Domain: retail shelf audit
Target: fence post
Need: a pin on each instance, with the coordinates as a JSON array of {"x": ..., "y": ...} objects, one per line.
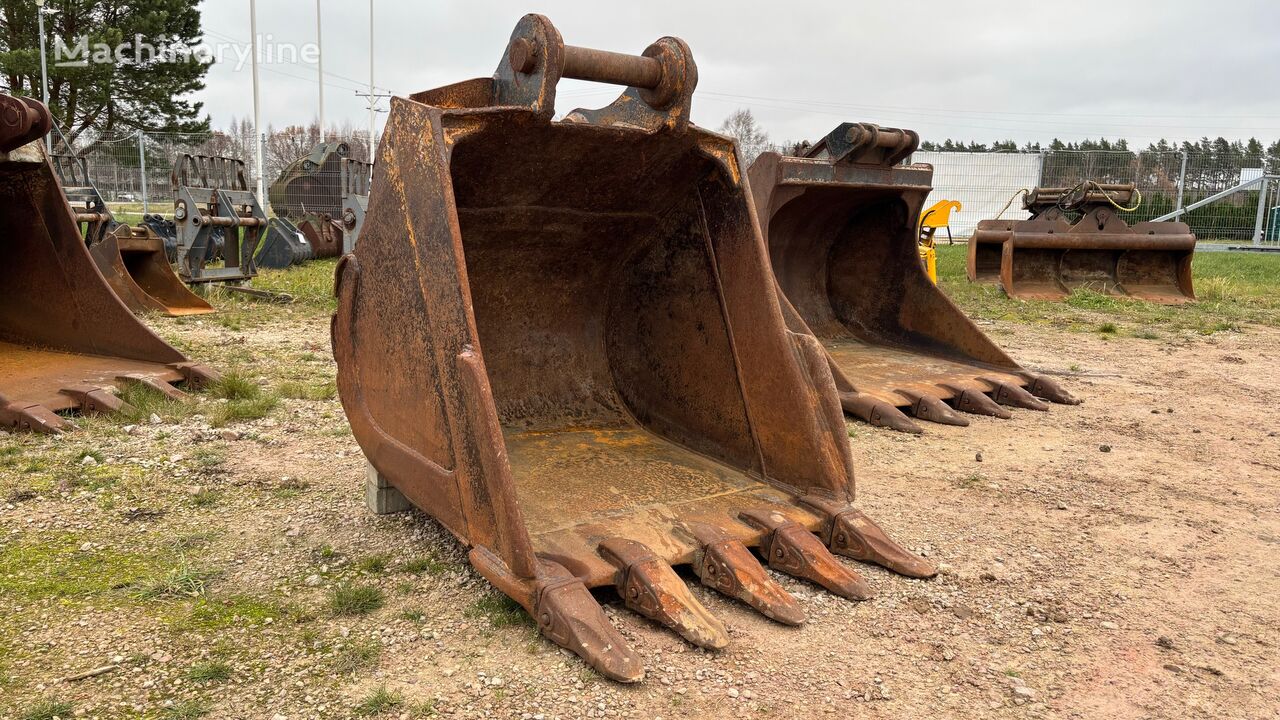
[
  {"x": 142, "y": 164},
  {"x": 1182, "y": 181},
  {"x": 1262, "y": 205}
]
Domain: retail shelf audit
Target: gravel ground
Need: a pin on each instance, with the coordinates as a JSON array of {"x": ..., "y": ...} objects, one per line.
[{"x": 1112, "y": 560}]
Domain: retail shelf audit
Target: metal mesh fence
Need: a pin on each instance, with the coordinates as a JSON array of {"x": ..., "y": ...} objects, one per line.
[
  {"x": 988, "y": 185},
  {"x": 133, "y": 174}
]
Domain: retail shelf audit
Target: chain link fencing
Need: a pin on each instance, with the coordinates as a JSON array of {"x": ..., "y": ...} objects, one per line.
[
  {"x": 989, "y": 185},
  {"x": 133, "y": 173}
]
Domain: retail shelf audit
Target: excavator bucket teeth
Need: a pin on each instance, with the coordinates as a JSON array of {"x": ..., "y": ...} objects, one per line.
[
  {"x": 132, "y": 260},
  {"x": 61, "y": 325},
  {"x": 90, "y": 399},
  {"x": 651, "y": 588},
  {"x": 841, "y": 227},
  {"x": 976, "y": 402},
  {"x": 849, "y": 532},
  {"x": 562, "y": 340},
  {"x": 790, "y": 548},
  {"x": 1077, "y": 238},
  {"x": 727, "y": 566}
]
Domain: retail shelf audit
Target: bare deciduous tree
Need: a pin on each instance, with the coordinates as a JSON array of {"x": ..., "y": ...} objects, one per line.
[{"x": 752, "y": 139}]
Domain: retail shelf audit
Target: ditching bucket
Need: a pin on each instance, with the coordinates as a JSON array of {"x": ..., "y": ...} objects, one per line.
[
  {"x": 65, "y": 337},
  {"x": 134, "y": 264},
  {"x": 840, "y": 224},
  {"x": 562, "y": 340},
  {"x": 284, "y": 246},
  {"x": 1047, "y": 256}
]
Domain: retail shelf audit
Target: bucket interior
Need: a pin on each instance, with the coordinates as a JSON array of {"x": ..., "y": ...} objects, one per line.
[
  {"x": 847, "y": 261},
  {"x": 603, "y": 329}
]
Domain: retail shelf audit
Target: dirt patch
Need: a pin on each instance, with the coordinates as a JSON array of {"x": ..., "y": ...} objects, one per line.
[{"x": 1112, "y": 560}]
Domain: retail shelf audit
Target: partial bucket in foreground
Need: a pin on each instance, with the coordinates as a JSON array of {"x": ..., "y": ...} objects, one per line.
[
  {"x": 1050, "y": 254},
  {"x": 579, "y": 365},
  {"x": 841, "y": 227},
  {"x": 65, "y": 338}
]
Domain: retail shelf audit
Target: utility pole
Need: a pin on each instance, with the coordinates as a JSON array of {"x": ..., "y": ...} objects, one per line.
[
  {"x": 320, "y": 66},
  {"x": 373, "y": 98},
  {"x": 257, "y": 105},
  {"x": 44, "y": 69}
]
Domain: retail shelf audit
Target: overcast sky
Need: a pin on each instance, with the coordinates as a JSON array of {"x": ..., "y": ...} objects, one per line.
[{"x": 1178, "y": 69}]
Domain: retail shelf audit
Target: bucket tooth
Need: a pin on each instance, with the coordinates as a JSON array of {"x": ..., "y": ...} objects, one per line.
[
  {"x": 1049, "y": 389},
  {"x": 195, "y": 375},
  {"x": 650, "y": 587},
  {"x": 877, "y": 412},
  {"x": 790, "y": 548},
  {"x": 1006, "y": 393},
  {"x": 849, "y": 532},
  {"x": 565, "y": 612},
  {"x": 976, "y": 402},
  {"x": 726, "y": 565},
  {"x": 931, "y": 408},
  {"x": 160, "y": 386},
  {"x": 90, "y": 399},
  {"x": 31, "y": 418}
]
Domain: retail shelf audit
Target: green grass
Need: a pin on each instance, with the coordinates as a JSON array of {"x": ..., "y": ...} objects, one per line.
[
  {"x": 1234, "y": 290},
  {"x": 147, "y": 401},
  {"x": 356, "y": 655},
  {"x": 241, "y": 410},
  {"x": 424, "y": 564},
  {"x": 379, "y": 702},
  {"x": 234, "y": 386},
  {"x": 48, "y": 709},
  {"x": 208, "y": 614},
  {"x": 374, "y": 564},
  {"x": 211, "y": 671},
  {"x": 183, "y": 581},
  {"x": 54, "y": 566},
  {"x": 295, "y": 390},
  {"x": 351, "y": 600},
  {"x": 500, "y": 610}
]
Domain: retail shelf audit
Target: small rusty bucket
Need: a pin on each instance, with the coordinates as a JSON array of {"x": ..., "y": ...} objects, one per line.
[
  {"x": 1049, "y": 255},
  {"x": 562, "y": 341},
  {"x": 65, "y": 338},
  {"x": 840, "y": 224},
  {"x": 134, "y": 264}
]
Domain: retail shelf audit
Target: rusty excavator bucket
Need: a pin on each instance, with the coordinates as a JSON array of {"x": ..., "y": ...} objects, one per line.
[
  {"x": 1049, "y": 255},
  {"x": 562, "y": 340},
  {"x": 132, "y": 260},
  {"x": 840, "y": 224},
  {"x": 65, "y": 338},
  {"x": 134, "y": 264}
]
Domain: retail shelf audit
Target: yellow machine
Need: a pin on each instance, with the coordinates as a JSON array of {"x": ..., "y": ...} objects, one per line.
[{"x": 937, "y": 216}]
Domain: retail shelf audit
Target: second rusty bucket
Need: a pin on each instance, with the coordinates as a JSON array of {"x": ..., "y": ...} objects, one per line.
[
  {"x": 66, "y": 340},
  {"x": 561, "y": 339},
  {"x": 841, "y": 225},
  {"x": 1077, "y": 237}
]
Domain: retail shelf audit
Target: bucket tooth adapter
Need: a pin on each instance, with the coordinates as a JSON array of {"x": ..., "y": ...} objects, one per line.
[
  {"x": 840, "y": 224},
  {"x": 1047, "y": 256},
  {"x": 66, "y": 339},
  {"x": 563, "y": 341},
  {"x": 133, "y": 260},
  {"x": 211, "y": 195},
  {"x": 325, "y": 194}
]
